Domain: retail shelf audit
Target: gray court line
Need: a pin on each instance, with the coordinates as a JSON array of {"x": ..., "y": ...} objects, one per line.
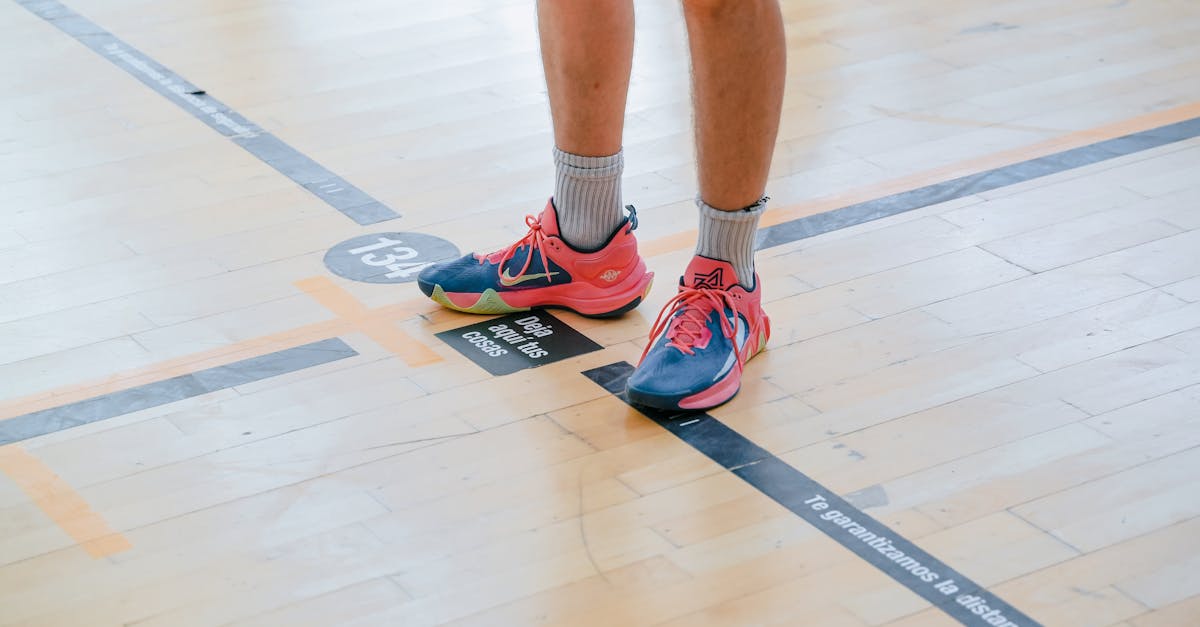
[
  {"x": 322, "y": 183},
  {"x": 174, "y": 389},
  {"x": 908, "y": 564},
  {"x": 1003, "y": 176}
]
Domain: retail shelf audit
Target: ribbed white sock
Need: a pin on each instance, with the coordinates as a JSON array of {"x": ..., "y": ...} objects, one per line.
[
  {"x": 729, "y": 236},
  {"x": 587, "y": 195}
]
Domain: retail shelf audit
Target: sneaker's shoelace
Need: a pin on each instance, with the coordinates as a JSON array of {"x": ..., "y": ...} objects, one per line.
[
  {"x": 685, "y": 329},
  {"x": 533, "y": 239}
]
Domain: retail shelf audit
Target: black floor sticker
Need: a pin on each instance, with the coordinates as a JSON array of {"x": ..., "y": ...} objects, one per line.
[
  {"x": 388, "y": 257},
  {"x": 518, "y": 341},
  {"x": 966, "y": 601}
]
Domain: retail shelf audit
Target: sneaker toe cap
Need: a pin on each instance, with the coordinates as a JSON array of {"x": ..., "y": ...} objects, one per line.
[
  {"x": 461, "y": 275},
  {"x": 667, "y": 371}
]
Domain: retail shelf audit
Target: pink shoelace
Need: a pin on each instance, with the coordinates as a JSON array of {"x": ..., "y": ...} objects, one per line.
[
  {"x": 685, "y": 329},
  {"x": 534, "y": 239}
]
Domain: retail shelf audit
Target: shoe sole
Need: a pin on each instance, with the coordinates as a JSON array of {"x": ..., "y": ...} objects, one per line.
[{"x": 491, "y": 302}]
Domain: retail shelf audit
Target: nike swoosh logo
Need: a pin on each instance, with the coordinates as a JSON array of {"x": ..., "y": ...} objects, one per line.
[
  {"x": 741, "y": 333},
  {"x": 508, "y": 280}
]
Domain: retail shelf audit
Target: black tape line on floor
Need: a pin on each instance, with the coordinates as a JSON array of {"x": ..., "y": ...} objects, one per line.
[
  {"x": 316, "y": 178},
  {"x": 947, "y": 589},
  {"x": 1003, "y": 176},
  {"x": 178, "y": 388}
]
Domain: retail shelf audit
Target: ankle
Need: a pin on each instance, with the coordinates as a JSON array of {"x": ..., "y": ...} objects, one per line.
[
  {"x": 729, "y": 236},
  {"x": 587, "y": 197}
]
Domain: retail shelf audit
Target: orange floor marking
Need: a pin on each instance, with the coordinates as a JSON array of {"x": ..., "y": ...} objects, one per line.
[
  {"x": 208, "y": 359},
  {"x": 61, "y": 503},
  {"x": 378, "y": 328}
]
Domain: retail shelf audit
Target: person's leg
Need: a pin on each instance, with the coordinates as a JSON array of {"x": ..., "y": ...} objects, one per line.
[
  {"x": 715, "y": 323},
  {"x": 738, "y": 70},
  {"x": 587, "y": 52},
  {"x": 580, "y": 253}
]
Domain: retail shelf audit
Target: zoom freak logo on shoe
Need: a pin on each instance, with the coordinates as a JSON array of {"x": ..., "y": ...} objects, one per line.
[
  {"x": 508, "y": 280},
  {"x": 714, "y": 280}
]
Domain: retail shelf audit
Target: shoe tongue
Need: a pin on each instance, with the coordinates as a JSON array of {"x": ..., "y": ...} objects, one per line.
[
  {"x": 709, "y": 273},
  {"x": 549, "y": 219}
]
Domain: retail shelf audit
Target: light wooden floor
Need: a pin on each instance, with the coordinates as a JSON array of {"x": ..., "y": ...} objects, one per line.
[{"x": 1013, "y": 377}]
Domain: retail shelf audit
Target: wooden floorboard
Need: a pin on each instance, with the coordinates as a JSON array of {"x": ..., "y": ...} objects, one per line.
[{"x": 1009, "y": 379}]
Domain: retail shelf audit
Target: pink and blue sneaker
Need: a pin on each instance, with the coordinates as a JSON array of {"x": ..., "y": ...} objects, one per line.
[
  {"x": 542, "y": 270},
  {"x": 701, "y": 340}
]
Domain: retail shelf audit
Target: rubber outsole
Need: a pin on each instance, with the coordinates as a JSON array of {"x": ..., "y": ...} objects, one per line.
[
  {"x": 491, "y": 303},
  {"x": 667, "y": 403}
]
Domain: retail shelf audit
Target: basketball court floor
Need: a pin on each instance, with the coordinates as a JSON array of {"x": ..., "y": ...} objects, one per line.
[{"x": 223, "y": 401}]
